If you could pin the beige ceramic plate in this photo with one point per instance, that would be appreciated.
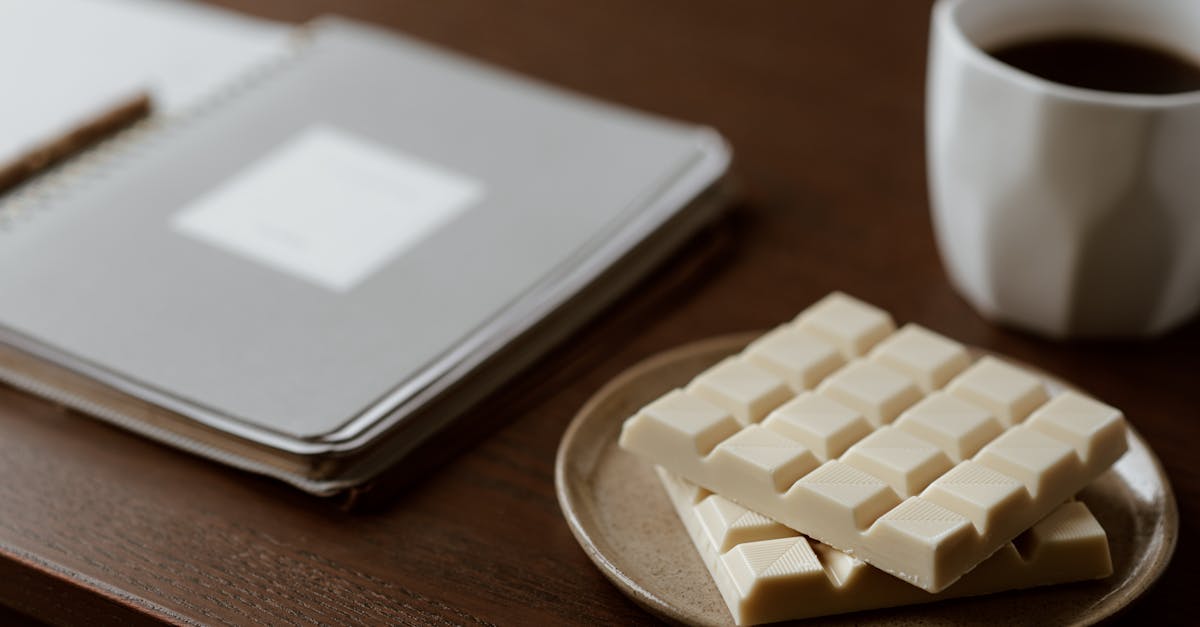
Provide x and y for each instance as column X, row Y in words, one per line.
column 620, row 515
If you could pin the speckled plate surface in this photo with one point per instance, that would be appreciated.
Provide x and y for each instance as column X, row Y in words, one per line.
column 622, row 519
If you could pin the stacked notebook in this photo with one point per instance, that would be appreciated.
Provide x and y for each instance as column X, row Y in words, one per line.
column 322, row 244
column 838, row 464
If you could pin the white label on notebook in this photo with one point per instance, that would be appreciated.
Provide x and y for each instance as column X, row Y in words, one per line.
column 328, row 207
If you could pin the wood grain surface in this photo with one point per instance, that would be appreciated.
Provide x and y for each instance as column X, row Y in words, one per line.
column 822, row 102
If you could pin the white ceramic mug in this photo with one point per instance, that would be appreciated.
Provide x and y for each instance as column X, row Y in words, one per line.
column 1066, row 211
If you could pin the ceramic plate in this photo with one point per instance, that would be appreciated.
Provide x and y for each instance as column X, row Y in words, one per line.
column 622, row 519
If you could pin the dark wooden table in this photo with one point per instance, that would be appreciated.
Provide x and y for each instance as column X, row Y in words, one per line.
column 822, row 102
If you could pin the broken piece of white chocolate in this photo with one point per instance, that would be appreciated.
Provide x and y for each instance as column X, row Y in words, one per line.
column 924, row 488
column 766, row 572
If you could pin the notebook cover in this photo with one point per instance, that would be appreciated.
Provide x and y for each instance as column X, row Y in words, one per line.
column 546, row 189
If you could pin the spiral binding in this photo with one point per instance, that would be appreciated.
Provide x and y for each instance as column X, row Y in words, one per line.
column 40, row 193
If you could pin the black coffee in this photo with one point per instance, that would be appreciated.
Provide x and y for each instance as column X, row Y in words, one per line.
column 1105, row 64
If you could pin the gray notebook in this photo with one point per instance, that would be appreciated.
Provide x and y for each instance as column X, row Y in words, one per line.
column 302, row 276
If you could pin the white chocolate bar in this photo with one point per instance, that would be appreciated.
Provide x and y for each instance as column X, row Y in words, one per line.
column 923, row 486
column 767, row 572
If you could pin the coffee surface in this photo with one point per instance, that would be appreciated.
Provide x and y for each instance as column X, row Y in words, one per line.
column 1104, row 64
